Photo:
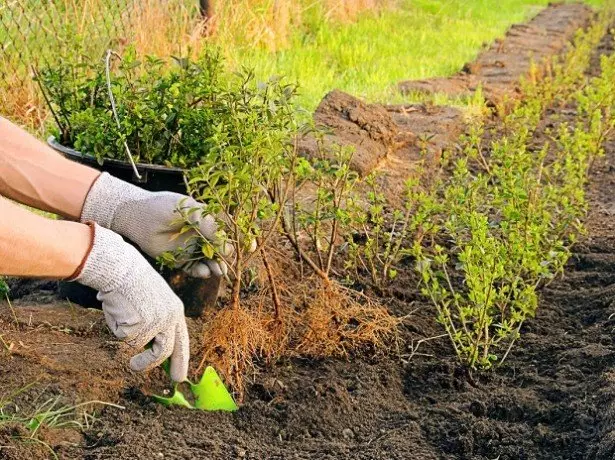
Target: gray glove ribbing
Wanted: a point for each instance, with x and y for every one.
(149, 219)
(137, 303)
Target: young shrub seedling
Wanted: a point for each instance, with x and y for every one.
(323, 217)
(511, 212)
(379, 241)
(250, 155)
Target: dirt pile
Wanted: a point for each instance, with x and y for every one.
(428, 130)
(368, 128)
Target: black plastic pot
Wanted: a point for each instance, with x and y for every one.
(154, 178)
(196, 294)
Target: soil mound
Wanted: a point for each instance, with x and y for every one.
(368, 128)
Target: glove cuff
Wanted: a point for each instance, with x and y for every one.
(79, 269)
(105, 196)
(106, 264)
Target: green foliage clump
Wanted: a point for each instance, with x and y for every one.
(511, 212)
(169, 112)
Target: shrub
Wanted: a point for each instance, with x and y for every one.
(244, 177)
(511, 213)
(167, 110)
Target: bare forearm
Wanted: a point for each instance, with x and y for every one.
(33, 246)
(33, 174)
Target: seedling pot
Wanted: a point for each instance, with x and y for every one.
(196, 294)
(154, 178)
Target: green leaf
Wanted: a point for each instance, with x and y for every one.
(208, 250)
(34, 423)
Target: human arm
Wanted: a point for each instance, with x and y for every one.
(33, 246)
(34, 174)
(137, 303)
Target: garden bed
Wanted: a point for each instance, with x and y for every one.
(553, 398)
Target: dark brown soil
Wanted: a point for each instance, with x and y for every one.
(553, 399)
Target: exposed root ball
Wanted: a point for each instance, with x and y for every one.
(338, 321)
(232, 339)
(312, 319)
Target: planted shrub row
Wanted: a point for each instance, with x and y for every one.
(511, 212)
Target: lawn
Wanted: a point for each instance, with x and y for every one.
(366, 54)
(416, 39)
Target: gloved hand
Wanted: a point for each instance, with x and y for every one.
(137, 303)
(151, 220)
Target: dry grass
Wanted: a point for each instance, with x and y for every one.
(349, 10)
(153, 27)
(20, 101)
(271, 23)
(169, 28)
(164, 28)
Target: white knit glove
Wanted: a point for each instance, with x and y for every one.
(137, 303)
(151, 220)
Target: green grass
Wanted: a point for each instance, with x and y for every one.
(50, 413)
(418, 39)
(415, 39)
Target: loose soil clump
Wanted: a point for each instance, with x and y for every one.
(348, 121)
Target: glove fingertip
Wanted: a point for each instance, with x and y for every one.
(199, 271)
(208, 226)
(152, 357)
(229, 249)
(215, 268)
(143, 361)
(179, 375)
(180, 358)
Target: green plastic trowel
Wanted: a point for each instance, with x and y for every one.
(210, 394)
(178, 399)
